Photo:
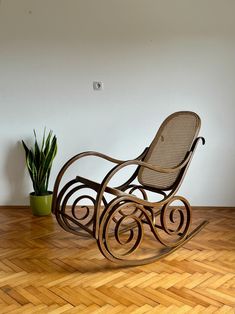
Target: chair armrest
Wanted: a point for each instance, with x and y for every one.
(94, 154)
(82, 155)
(154, 167)
(140, 163)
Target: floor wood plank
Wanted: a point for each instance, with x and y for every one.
(43, 269)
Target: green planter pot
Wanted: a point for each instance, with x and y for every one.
(41, 205)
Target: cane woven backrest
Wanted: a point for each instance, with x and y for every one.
(169, 148)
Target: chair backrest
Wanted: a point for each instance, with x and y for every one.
(169, 148)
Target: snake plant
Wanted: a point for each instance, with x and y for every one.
(39, 161)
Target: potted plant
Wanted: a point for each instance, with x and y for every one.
(39, 162)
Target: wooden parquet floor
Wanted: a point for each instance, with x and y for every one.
(43, 269)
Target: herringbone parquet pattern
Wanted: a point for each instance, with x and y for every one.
(43, 269)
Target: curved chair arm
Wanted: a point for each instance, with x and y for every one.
(79, 156)
(138, 162)
(153, 167)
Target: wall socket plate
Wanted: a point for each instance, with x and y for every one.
(98, 85)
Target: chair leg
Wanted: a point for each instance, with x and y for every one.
(121, 216)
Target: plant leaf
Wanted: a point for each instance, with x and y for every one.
(39, 161)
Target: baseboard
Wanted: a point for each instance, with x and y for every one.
(14, 207)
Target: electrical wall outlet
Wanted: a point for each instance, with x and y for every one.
(98, 85)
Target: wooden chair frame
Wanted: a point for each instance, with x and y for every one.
(106, 213)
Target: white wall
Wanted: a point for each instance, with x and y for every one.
(154, 57)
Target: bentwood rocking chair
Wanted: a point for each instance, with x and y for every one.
(121, 217)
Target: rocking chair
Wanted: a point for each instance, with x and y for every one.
(121, 216)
